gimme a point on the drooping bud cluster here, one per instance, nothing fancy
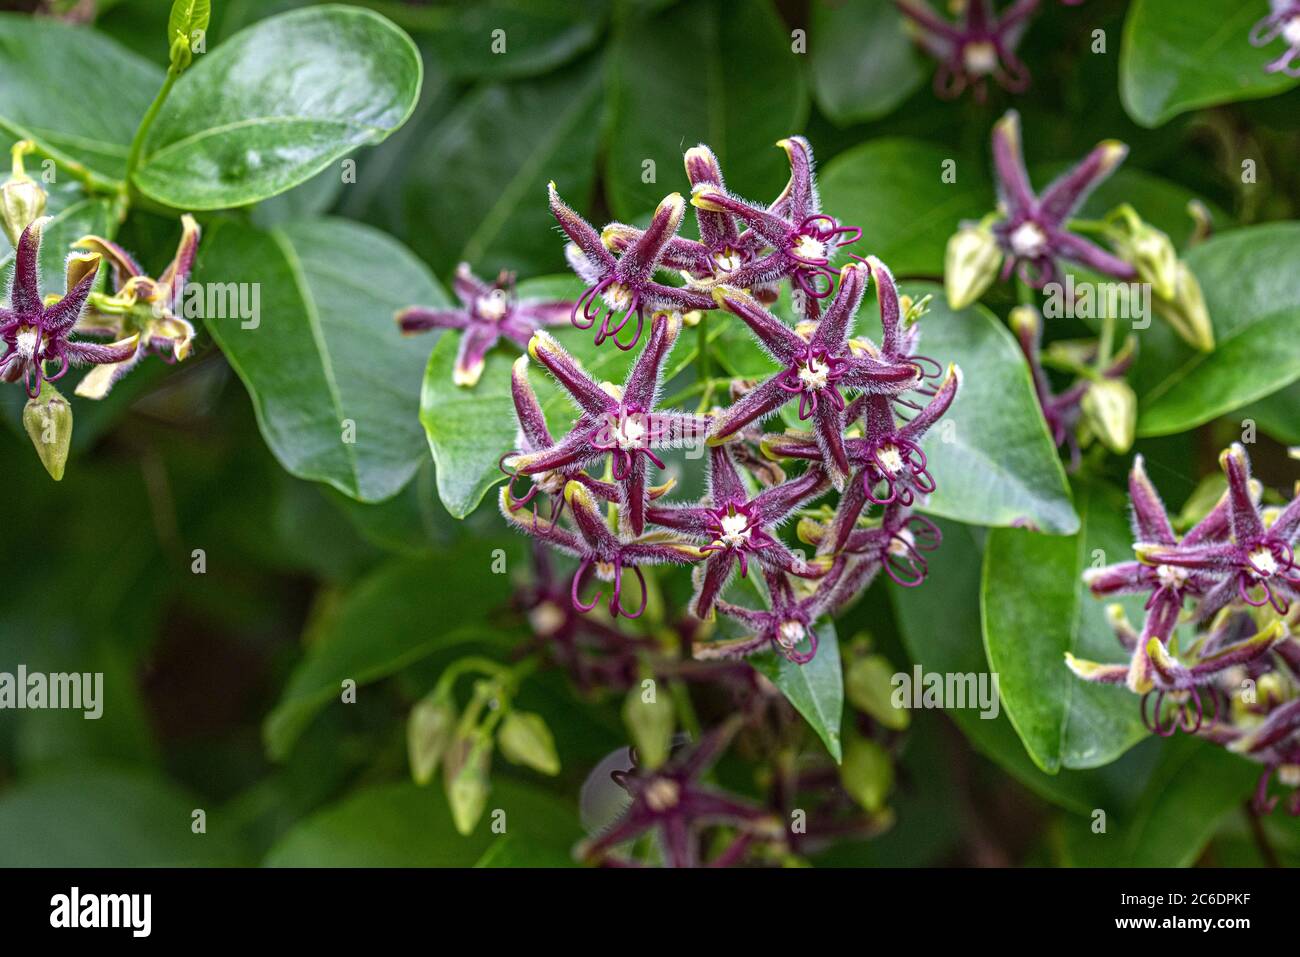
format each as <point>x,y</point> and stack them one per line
<point>1230,585</point>
<point>606,508</point>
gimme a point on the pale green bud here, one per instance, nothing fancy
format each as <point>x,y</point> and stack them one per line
<point>867,773</point>
<point>970,265</point>
<point>465,779</point>
<point>1186,311</point>
<point>869,685</point>
<point>428,732</point>
<point>48,421</point>
<point>525,739</point>
<point>649,715</point>
<point>22,200</point>
<point>1110,411</point>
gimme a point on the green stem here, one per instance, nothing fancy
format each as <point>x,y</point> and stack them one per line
<point>137,144</point>
<point>1107,344</point>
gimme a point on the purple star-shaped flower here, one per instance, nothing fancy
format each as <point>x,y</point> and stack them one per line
<point>617,422</point>
<point>1257,565</point>
<point>1034,229</point>
<point>982,45</point>
<point>818,364</point>
<point>35,334</point>
<point>736,527</point>
<point>1283,21</point>
<point>672,801</point>
<point>623,287</point>
<point>488,312</point>
<point>801,238</point>
<point>598,548</point>
<point>895,544</point>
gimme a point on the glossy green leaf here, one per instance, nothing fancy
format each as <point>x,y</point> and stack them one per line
<point>991,455</point>
<point>1248,278</point>
<point>502,39</point>
<point>75,92</point>
<point>500,146</point>
<point>1278,415</point>
<point>816,689</point>
<point>276,104</point>
<point>1178,56</point>
<point>380,627</point>
<point>709,72</point>
<point>333,381</point>
<point>402,825</point>
<point>863,62</point>
<point>1035,608</point>
<point>102,816</point>
<point>894,190</point>
<point>940,625</point>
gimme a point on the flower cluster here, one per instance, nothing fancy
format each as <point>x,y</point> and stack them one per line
<point>1231,581</point>
<point>593,492</point>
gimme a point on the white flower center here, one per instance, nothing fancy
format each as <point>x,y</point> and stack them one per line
<point>629,433</point>
<point>617,296</point>
<point>1264,561</point>
<point>981,58</point>
<point>1289,774</point>
<point>814,375</point>
<point>735,530</point>
<point>25,342</point>
<point>902,543</point>
<point>805,247</point>
<point>726,259</point>
<point>1170,576</point>
<point>1028,240</point>
<point>790,633</point>
<point>492,307</point>
<point>546,619</point>
<point>662,794</point>
<point>891,458</point>
<point>1291,32</point>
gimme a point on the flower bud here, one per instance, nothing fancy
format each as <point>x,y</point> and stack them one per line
<point>1152,254</point>
<point>649,715</point>
<point>48,421</point>
<point>465,779</point>
<point>428,732</point>
<point>869,686</point>
<point>22,200</point>
<point>970,265</point>
<point>525,739</point>
<point>1110,410</point>
<point>1186,311</point>
<point>867,773</point>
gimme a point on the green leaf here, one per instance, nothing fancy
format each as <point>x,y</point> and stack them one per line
<point>816,689</point>
<point>107,817</point>
<point>1248,278</point>
<point>1195,785</point>
<point>503,143</point>
<point>863,62</point>
<point>940,625</point>
<point>704,72</point>
<point>538,35</point>
<point>188,20</point>
<point>403,825</point>
<point>1178,56</point>
<point>1035,608</point>
<point>1278,415</point>
<point>379,627</point>
<point>76,93</point>
<point>894,190</point>
<point>333,381</point>
<point>991,455</point>
<point>276,104</point>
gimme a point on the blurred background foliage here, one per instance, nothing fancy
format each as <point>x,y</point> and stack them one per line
<point>224,686</point>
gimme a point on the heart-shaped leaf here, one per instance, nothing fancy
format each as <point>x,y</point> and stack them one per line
<point>1035,608</point>
<point>75,92</point>
<point>908,197</point>
<point>1178,56</point>
<point>334,383</point>
<point>704,72</point>
<point>863,63</point>
<point>276,104</point>
<point>991,456</point>
<point>816,689</point>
